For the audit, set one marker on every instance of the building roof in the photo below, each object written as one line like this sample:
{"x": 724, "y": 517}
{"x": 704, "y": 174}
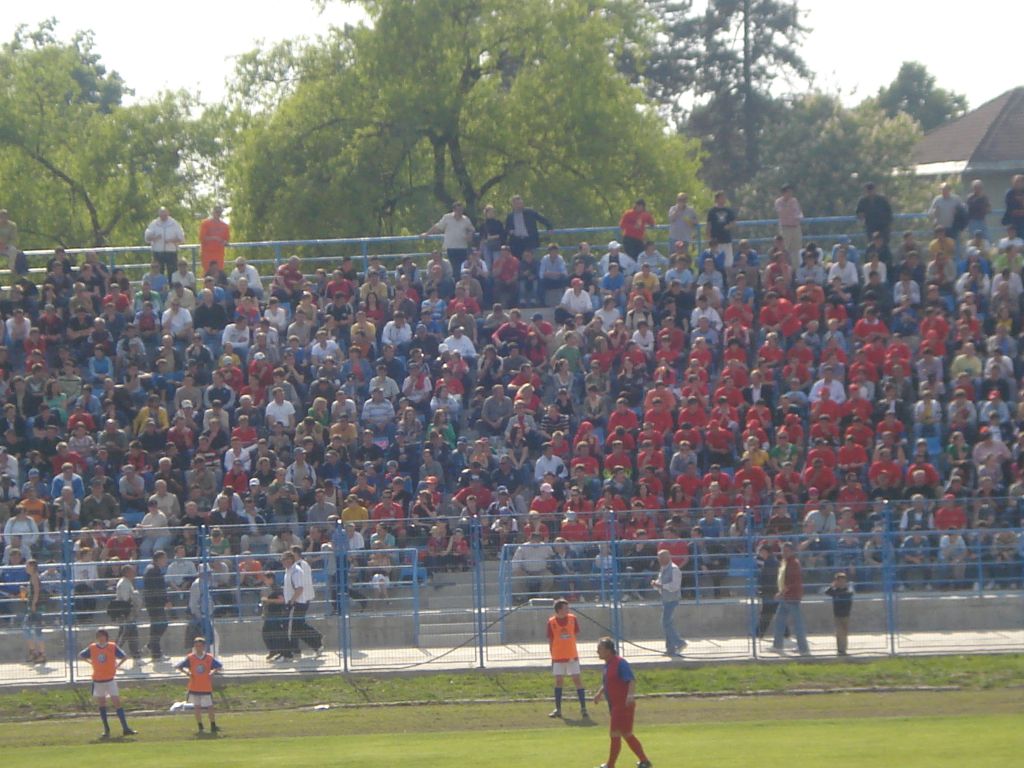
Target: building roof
{"x": 990, "y": 138}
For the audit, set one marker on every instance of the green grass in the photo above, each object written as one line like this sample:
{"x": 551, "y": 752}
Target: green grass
{"x": 905, "y": 730}
{"x": 970, "y": 672}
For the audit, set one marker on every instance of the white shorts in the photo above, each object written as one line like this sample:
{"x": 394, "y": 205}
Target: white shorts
{"x": 102, "y": 690}
{"x": 564, "y": 668}
{"x": 203, "y": 700}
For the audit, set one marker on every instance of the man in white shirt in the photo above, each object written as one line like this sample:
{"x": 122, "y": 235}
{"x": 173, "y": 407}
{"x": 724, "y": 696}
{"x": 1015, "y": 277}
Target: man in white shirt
{"x": 461, "y": 343}
{"x": 237, "y": 334}
{"x": 248, "y": 271}
{"x": 458, "y": 233}
{"x": 280, "y": 411}
{"x": 298, "y": 592}
{"x": 669, "y": 584}
{"x": 164, "y": 235}
{"x": 575, "y": 301}
{"x": 398, "y": 333}
{"x": 178, "y": 321}
{"x": 834, "y": 386}
{"x": 682, "y": 221}
{"x": 787, "y": 207}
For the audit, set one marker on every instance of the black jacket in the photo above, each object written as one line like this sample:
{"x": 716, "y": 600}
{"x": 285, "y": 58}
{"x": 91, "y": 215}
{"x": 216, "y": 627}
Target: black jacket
{"x": 530, "y": 219}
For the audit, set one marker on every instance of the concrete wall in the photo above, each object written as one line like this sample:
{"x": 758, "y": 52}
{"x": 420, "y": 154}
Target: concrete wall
{"x": 914, "y": 612}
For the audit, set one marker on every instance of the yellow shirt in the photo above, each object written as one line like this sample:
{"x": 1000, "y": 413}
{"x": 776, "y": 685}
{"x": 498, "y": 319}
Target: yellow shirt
{"x": 355, "y": 513}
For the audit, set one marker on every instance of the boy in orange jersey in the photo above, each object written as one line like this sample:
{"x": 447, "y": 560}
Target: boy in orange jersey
{"x": 563, "y": 629}
{"x": 106, "y": 658}
{"x": 200, "y": 667}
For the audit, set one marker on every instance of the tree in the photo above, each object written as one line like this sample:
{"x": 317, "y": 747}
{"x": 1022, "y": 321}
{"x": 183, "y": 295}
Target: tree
{"x": 727, "y": 59}
{"x": 914, "y": 93}
{"x": 86, "y": 169}
{"x": 386, "y": 125}
{"x": 827, "y": 151}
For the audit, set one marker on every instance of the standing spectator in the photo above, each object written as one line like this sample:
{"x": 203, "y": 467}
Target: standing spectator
{"x": 156, "y": 601}
{"x": 1013, "y": 215}
{"x": 633, "y": 225}
{"x": 492, "y": 236}
{"x": 214, "y": 235}
{"x": 943, "y": 210}
{"x": 978, "y": 209}
{"x": 790, "y": 593}
{"x": 458, "y": 233}
{"x": 128, "y": 602}
{"x": 787, "y": 207}
{"x": 682, "y": 222}
{"x": 842, "y": 604}
{"x": 875, "y": 213}
{"x": 721, "y": 223}
{"x": 8, "y": 240}
{"x": 298, "y": 593}
{"x": 164, "y": 235}
{"x": 521, "y": 227}
{"x": 767, "y": 587}
{"x": 669, "y": 585}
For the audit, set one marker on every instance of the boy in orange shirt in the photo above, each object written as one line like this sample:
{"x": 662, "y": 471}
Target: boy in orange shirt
{"x": 563, "y": 629}
{"x": 106, "y": 658}
{"x": 200, "y": 667}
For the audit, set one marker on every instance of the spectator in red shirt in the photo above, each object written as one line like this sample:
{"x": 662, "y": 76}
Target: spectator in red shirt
{"x": 634, "y": 223}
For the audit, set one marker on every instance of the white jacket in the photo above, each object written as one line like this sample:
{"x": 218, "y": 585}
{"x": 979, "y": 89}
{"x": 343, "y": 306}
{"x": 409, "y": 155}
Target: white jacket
{"x": 164, "y": 236}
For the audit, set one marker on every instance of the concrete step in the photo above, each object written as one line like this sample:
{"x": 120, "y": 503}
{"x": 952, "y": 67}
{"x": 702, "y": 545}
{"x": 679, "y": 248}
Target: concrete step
{"x": 466, "y": 639}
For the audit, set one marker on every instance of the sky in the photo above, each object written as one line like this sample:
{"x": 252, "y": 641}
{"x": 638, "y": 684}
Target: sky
{"x": 854, "y": 47}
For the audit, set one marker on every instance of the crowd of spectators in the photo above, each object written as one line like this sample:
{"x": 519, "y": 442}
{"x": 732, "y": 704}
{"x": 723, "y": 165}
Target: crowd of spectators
{"x": 815, "y": 388}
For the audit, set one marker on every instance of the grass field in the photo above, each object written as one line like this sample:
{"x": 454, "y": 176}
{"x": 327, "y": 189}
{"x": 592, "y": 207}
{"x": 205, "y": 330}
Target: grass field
{"x": 247, "y": 694}
{"x": 907, "y": 730}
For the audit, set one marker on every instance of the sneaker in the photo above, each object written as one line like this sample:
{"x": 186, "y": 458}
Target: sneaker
{"x": 214, "y": 728}
{"x": 555, "y": 713}
{"x": 130, "y": 732}
{"x": 273, "y": 656}
{"x": 644, "y": 764}
{"x": 105, "y": 736}
{"x": 199, "y": 727}
{"x": 584, "y": 714}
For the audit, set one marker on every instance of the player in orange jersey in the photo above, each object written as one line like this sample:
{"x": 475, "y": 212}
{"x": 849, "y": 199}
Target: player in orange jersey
{"x": 200, "y": 667}
{"x": 563, "y": 629}
{"x": 106, "y": 658}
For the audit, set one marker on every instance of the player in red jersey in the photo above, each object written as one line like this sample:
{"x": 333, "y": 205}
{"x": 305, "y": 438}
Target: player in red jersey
{"x": 619, "y": 687}
{"x": 106, "y": 658}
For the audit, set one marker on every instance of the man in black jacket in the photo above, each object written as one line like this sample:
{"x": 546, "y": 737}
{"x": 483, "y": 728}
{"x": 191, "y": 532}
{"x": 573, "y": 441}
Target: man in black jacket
{"x": 521, "y": 227}
{"x": 156, "y": 601}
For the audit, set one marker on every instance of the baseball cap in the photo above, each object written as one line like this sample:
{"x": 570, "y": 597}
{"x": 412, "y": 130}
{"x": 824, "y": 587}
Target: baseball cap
{"x": 546, "y": 487}
{"x": 614, "y": 244}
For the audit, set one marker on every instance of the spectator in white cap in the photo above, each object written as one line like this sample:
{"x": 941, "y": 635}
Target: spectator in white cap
{"x": 627, "y": 265}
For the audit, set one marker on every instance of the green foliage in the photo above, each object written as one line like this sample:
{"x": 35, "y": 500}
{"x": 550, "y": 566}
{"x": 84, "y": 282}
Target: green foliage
{"x": 914, "y": 93}
{"x": 87, "y": 170}
{"x": 441, "y": 100}
{"x": 728, "y": 59}
{"x": 828, "y": 151}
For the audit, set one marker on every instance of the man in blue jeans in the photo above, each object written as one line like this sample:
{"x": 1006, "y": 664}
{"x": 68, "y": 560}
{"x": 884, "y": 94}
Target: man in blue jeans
{"x": 669, "y": 583}
{"x": 791, "y": 592}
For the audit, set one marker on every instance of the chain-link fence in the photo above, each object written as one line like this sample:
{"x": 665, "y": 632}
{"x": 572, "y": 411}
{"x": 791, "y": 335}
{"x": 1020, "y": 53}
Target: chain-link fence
{"x": 373, "y": 603}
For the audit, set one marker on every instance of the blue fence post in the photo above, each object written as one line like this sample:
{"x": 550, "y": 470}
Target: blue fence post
{"x": 616, "y": 595}
{"x": 68, "y": 601}
{"x": 277, "y": 256}
{"x": 752, "y": 584}
{"x": 979, "y": 555}
{"x": 888, "y": 588}
{"x": 205, "y": 581}
{"x": 479, "y": 603}
{"x": 340, "y": 544}
{"x": 364, "y": 249}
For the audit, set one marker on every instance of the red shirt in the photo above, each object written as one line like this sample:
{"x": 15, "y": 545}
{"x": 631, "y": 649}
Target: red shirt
{"x": 625, "y": 419}
{"x": 634, "y": 223}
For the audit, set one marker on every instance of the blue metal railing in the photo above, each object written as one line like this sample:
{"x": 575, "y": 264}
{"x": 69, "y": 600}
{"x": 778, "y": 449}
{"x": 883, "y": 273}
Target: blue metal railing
{"x": 394, "y": 248}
